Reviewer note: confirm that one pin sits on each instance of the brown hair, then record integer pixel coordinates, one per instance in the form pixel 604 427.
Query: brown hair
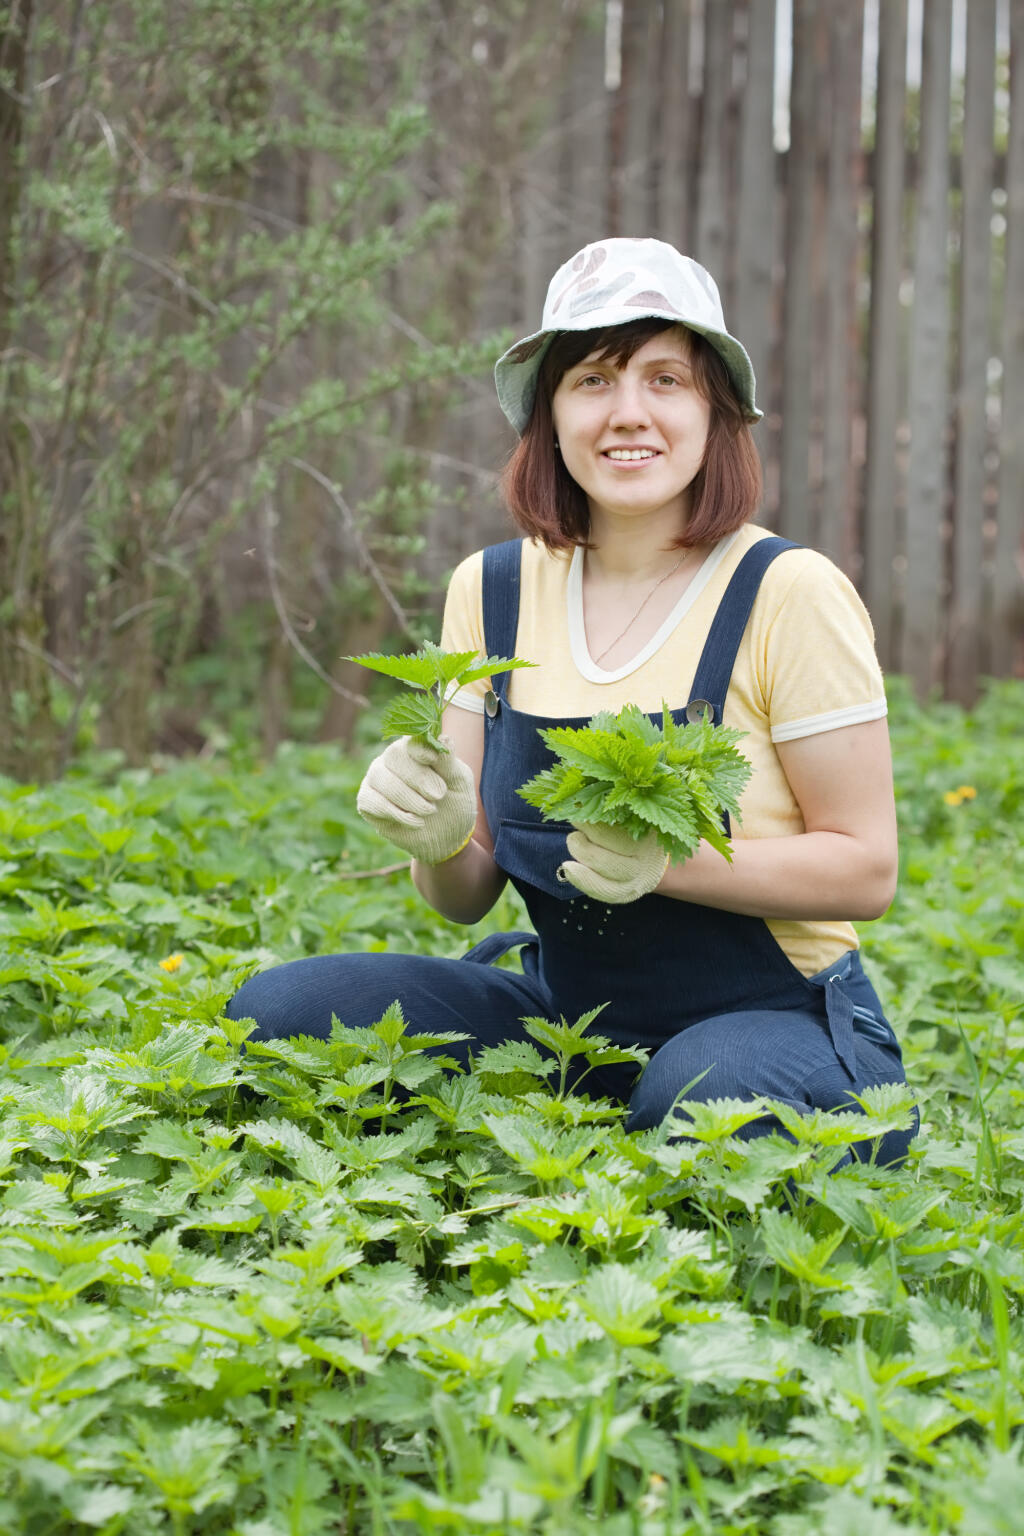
pixel 546 501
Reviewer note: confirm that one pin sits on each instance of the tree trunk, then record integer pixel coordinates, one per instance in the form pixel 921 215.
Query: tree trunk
pixel 28 742
pixel 13 57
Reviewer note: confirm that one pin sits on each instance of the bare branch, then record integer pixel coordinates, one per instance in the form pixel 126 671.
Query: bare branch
pixel 488 477
pixel 53 662
pixel 173 277
pixel 107 131
pixel 236 204
pixel 137 609
pixel 351 524
pixel 270 562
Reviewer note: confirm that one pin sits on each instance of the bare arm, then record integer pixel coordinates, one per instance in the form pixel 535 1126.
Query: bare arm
pixel 842 865
pixel 464 888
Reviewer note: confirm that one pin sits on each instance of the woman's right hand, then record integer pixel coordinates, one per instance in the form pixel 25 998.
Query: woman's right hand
pixel 422 799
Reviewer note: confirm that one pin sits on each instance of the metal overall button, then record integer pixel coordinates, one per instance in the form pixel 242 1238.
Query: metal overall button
pixel 491 705
pixel 697 710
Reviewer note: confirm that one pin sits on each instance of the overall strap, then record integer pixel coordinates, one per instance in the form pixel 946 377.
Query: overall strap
pixel 714 669
pixel 501 603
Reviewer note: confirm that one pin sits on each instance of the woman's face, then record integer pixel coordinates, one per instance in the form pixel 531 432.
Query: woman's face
pixel 632 435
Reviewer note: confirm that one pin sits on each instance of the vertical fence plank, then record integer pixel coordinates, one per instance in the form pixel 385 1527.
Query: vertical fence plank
pixel 585 188
pixel 965 619
pixel 634 173
pixel 797 353
pixel 841 370
pixel 751 314
pixel 543 235
pixel 1007 599
pixel 929 368
pixel 884 400
pixel 674 223
pixel 713 178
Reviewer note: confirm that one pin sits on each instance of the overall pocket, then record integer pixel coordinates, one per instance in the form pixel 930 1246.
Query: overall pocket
pixel 532 852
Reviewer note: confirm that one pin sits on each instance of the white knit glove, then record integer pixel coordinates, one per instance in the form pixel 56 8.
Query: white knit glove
pixel 610 865
pixel 419 798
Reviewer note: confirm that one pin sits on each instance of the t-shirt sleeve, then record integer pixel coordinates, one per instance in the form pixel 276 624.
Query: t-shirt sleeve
pixel 815 659
pixel 463 626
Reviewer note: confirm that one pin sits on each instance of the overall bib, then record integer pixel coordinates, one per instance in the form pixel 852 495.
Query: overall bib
pixel 708 992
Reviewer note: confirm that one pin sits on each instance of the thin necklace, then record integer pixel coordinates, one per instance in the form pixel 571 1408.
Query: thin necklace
pixel 659 583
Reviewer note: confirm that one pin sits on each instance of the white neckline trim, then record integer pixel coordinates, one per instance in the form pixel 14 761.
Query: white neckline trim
pixel 584 663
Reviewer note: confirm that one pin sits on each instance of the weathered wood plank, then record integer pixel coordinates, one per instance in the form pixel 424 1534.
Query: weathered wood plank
pixel 886 373
pixel 966 624
pixel 585 186
pixel 751 314
pixel 841 369
pixel 634 174
pixel 927 482
pixel 713 178
pixel 14 44
pixel 1008 586
pixel 544 239
pixel 798 327
pixel 677 151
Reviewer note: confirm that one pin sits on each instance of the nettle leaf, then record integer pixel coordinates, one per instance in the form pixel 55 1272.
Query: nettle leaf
pixel 169 1139
pixel 668 813
pixel 422 669
pixel 322 1261
pixel 585 748
pixel 621 1303
pixel 626 770
pixel 437 676
pixel 310 1159
pixel 634 723
pixel 411 714
pixel 637 761
pixel 491 667
pixel 513 1056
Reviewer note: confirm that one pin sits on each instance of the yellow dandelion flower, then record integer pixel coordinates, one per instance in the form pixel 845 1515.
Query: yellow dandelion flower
pixel 172 963
pixel 952 797
pixel 967 792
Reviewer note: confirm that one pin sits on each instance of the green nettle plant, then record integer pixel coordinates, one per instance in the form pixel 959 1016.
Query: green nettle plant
pixel 625 770
pixel 435 676
pixel 336 1287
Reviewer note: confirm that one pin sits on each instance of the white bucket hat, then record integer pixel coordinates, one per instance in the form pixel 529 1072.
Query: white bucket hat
pixel 612 282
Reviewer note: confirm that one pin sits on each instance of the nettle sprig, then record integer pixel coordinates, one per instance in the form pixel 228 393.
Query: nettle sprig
pixel 436 677
pixel 626 770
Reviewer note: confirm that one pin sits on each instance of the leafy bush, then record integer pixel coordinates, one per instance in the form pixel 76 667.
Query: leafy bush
pixel 310 1287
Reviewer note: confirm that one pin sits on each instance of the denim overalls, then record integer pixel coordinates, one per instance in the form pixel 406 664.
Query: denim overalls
pixel 708 992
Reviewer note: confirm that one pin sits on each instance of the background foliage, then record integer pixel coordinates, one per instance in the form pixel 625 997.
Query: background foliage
pixel 264 1293
pixel 254 255
pixel 239 249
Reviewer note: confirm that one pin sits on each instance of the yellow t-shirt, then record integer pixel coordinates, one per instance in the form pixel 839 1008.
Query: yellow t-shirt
pixel 806 664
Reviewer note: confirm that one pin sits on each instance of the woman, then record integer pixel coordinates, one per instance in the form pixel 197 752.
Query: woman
pixel 641 579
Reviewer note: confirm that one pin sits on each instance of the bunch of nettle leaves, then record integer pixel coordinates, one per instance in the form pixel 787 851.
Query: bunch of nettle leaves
pixel 621 770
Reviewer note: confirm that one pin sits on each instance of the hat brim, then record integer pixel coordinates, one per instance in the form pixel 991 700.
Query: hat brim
pixel 516 371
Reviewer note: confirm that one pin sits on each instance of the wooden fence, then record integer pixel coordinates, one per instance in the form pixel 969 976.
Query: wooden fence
pixel 871 259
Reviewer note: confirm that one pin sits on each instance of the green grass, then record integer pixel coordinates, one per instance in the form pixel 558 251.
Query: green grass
pixel 257 1294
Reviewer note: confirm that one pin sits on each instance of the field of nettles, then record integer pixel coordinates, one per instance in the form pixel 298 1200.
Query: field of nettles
pixel 338 1288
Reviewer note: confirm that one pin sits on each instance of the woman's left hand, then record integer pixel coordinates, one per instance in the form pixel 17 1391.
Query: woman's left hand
pixel 610 865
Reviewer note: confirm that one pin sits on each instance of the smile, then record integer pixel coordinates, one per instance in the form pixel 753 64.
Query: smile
pixel 630 455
